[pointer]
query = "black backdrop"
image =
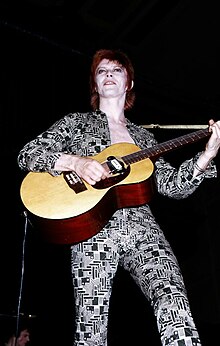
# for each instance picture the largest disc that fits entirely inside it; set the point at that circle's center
(38, 85)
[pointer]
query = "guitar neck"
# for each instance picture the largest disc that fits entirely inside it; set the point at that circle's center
(167, 146)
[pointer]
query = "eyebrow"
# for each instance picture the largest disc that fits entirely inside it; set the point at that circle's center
(106, 66)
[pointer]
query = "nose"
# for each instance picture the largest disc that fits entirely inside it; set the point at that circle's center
(109, 73)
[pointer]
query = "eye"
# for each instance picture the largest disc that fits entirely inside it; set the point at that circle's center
(118, 69)
(101, 71)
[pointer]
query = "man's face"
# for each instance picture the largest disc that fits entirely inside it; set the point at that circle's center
(23, 338)
(111, 79)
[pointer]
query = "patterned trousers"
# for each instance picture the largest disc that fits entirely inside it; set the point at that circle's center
(146, 254)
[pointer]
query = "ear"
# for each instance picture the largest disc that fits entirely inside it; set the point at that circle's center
(132, 84)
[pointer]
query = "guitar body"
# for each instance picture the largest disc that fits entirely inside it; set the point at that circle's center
(67, 210)
(67, 216)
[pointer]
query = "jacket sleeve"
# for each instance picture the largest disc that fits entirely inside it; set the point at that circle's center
(178, 183)
(41, 153)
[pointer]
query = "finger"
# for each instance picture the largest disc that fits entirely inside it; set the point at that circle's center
(100, 171)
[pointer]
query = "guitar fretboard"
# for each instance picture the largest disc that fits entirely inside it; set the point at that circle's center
(169, 145)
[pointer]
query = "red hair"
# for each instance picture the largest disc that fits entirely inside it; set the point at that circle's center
(123, 60)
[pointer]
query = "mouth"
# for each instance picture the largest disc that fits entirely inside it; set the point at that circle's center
(109, 83)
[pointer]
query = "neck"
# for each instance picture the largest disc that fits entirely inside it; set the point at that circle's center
(114, 110)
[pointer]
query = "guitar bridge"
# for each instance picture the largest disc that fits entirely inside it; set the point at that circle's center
(74, 181)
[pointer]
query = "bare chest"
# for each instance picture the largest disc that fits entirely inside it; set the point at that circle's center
(119, 134)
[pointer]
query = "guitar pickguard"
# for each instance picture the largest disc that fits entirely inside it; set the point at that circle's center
(115, 165)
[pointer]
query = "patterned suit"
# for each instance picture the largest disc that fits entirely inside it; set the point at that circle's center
(132, 238)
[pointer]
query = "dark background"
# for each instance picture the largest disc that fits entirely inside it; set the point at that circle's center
(46, 49)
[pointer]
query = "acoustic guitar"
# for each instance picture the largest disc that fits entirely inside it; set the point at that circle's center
(67, 210)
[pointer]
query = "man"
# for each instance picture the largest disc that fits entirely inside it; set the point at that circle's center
(22, 339)
(131, 238)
